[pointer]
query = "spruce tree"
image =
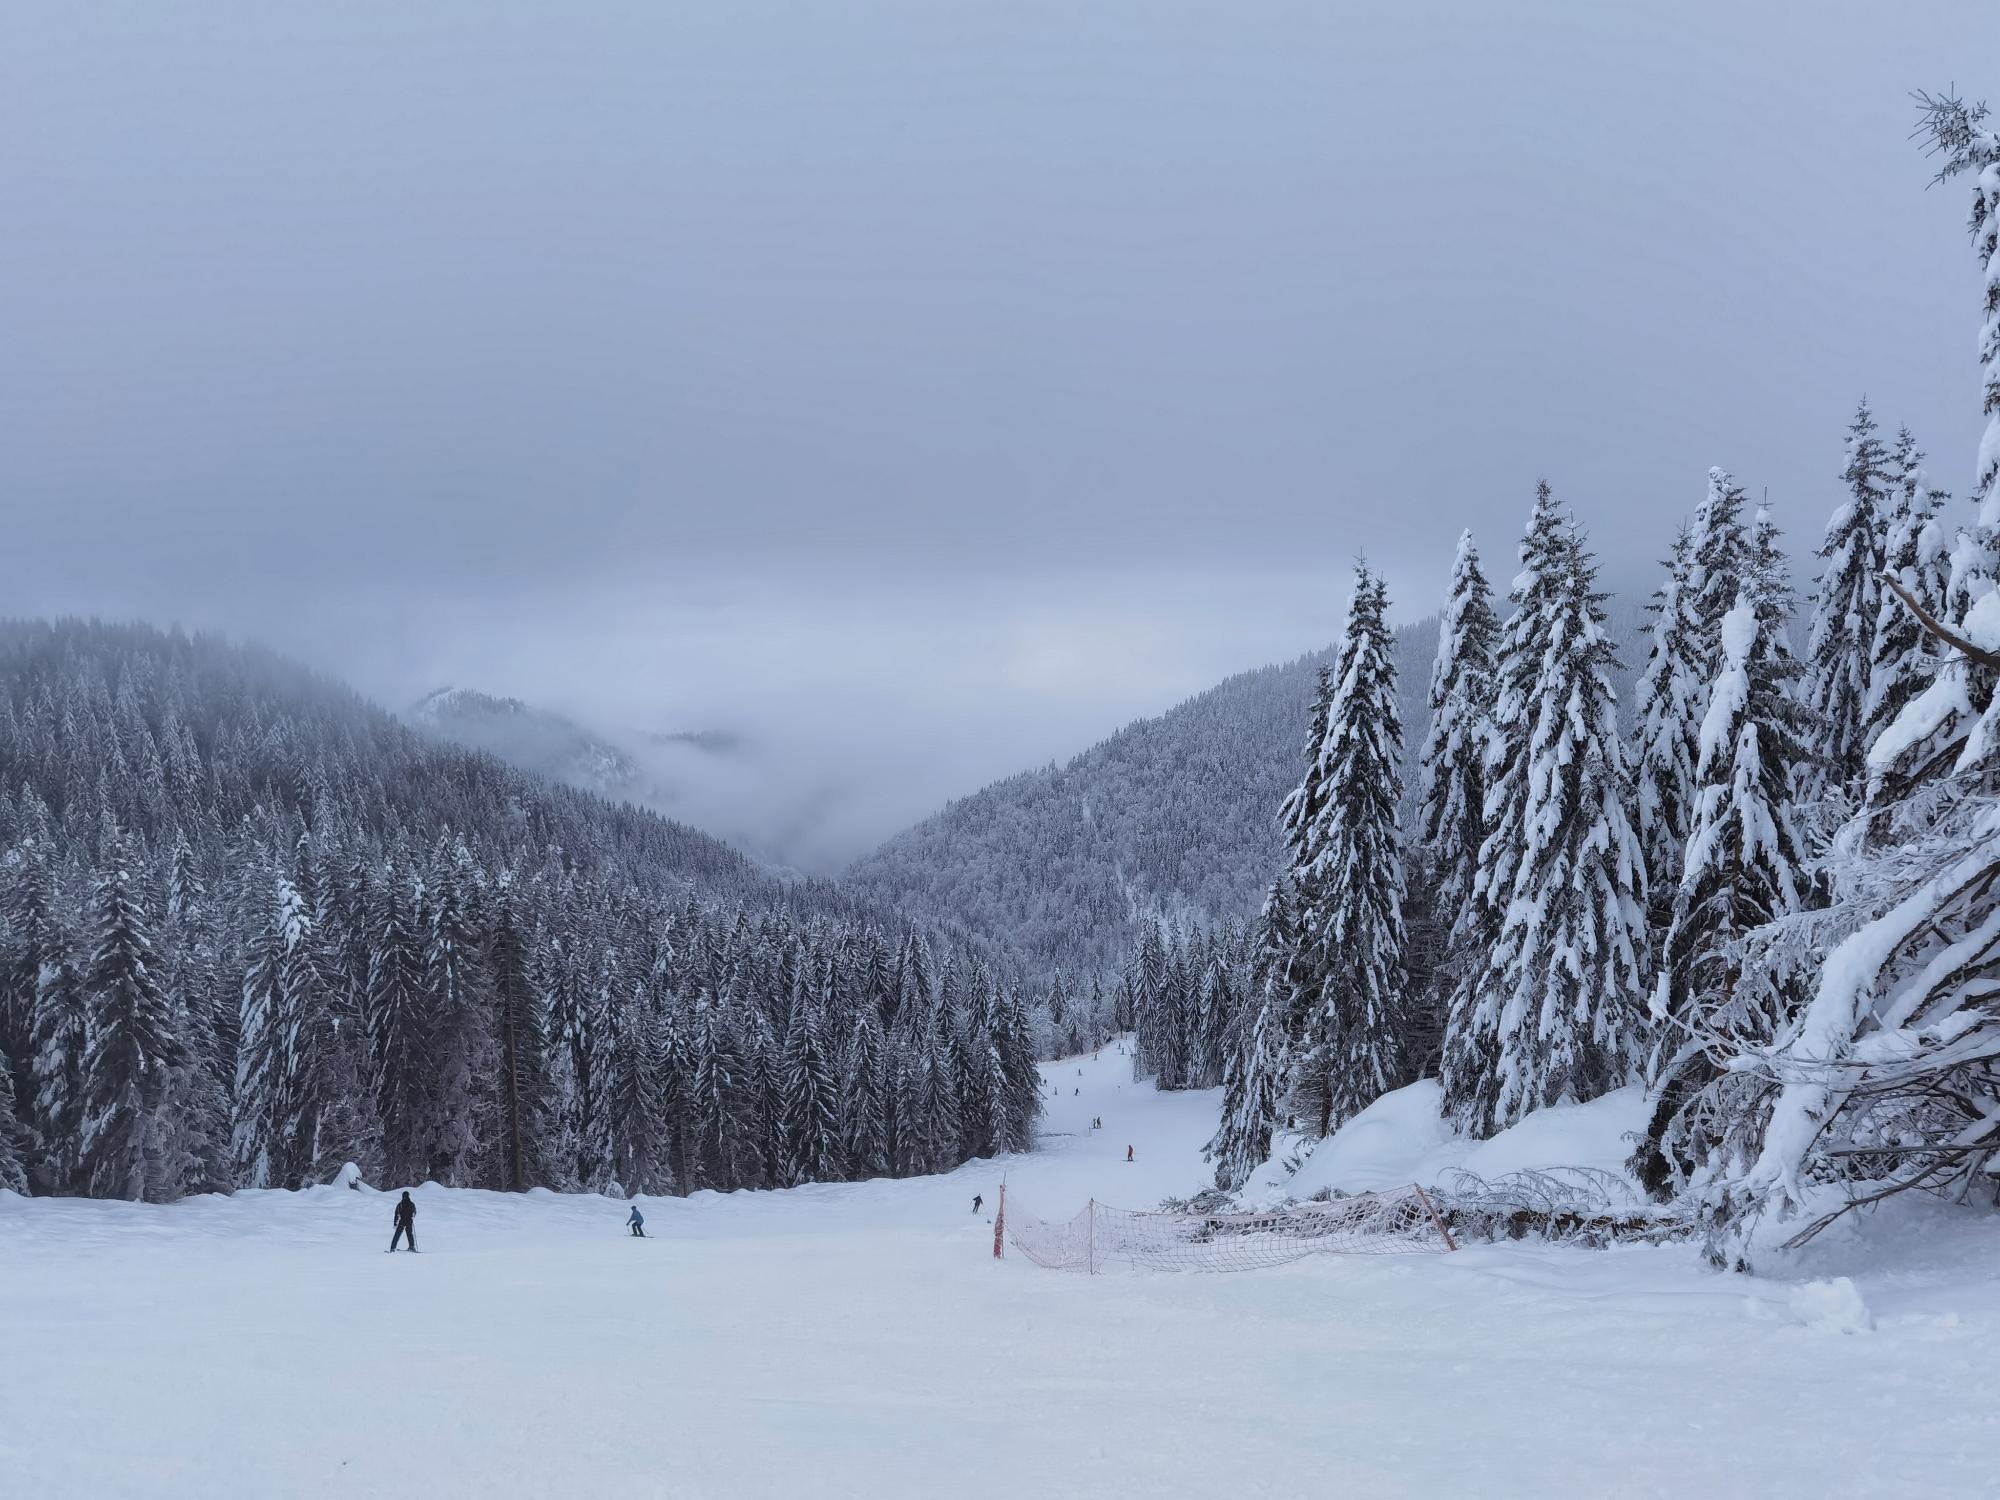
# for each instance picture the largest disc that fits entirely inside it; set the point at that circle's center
(1017, 1061)
(1254, 1077)
(342, 1127)
(523, 1072)
(1557, 1012)
(1354, 1044)
(934, 1121)
(1743, 869)
(25, 926)
(632, 1117)
(1884, 1081)
(864, 1101)
(1840, 642)
(197, 1140)
(398, 1025)
(1673, 691)
(132, 1044)
(60, 1041)
(462, 1104)
(1905, 655)
(1452, 764)
(763, 1102)
(13, 1135)
(278, 1092)
(1720, 564)
(810, 1113)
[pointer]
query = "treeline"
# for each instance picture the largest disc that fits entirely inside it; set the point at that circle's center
(251, 929)
(1778, 905)
(1059, 866)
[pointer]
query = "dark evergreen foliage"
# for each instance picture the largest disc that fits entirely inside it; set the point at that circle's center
(252, 929)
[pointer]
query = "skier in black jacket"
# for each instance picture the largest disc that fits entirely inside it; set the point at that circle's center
(406, 1224)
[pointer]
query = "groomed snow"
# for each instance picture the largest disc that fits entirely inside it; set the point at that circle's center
(860, 1340)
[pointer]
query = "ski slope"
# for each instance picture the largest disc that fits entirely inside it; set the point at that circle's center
(859, 1340)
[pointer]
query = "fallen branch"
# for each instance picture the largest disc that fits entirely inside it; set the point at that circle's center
(1988, 659)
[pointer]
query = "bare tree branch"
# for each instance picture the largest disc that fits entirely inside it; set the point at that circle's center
(1988, 659)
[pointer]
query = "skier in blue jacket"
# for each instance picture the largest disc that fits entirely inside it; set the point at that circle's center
(638, 1223)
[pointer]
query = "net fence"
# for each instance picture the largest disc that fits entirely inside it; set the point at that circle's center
(1391, 1223)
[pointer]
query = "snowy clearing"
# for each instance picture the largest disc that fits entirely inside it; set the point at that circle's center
(860, 1340)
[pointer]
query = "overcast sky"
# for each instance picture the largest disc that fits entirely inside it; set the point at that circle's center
(927, 389)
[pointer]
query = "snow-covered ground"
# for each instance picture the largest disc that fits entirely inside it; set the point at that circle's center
(860, 1340)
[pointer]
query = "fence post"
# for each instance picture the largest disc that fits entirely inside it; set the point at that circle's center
(1424, 1198)
(1090, 1240)
(1000, 1222)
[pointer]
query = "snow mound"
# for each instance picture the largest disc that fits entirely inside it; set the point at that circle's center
(1402, 1138)
(1832, 1306)
(348, 1176)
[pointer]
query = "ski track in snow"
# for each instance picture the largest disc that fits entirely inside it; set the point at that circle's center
(859, 1340)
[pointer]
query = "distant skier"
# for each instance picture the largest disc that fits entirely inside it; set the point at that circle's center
(976, 1201)
(406, 1224)
(1128, 1153)
(638, 1223)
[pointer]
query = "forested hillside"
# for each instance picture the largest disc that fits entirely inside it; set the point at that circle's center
(535, 740)
(1176, 814)
(252, 928)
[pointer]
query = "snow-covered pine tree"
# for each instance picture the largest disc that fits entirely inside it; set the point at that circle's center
(1916, 555)
(1300, 818)
(931, 1126)
(727, 1111)
(25, 925)
(1017, 1062)
(48, 1023)
(132, 1049)
(993, 1093)
(811, 1111)
(1558, 1011)
(1254, 1077)
(673, 1094)
(339, 1126)
(13, 1135)
(632, 1117)
(1061, 1010)
(864, 1101)
(61, 1039)
(1452, 764)
(523, 1075)
(1176, 1025)
(1885, 1080)
(275, 992)
(398, 1024)
(1672, 693)
(456, 985)
(1299, 814)
(1216, 1012)
(1840, 642)
(1743, 871)
(1721, 562)
(970, 1080)
(1152, 1005)
(1354, 1045)
(197, 1141)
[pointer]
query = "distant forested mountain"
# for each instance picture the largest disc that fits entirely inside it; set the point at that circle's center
(253, 928)
(1174, 815)
(534, 739)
